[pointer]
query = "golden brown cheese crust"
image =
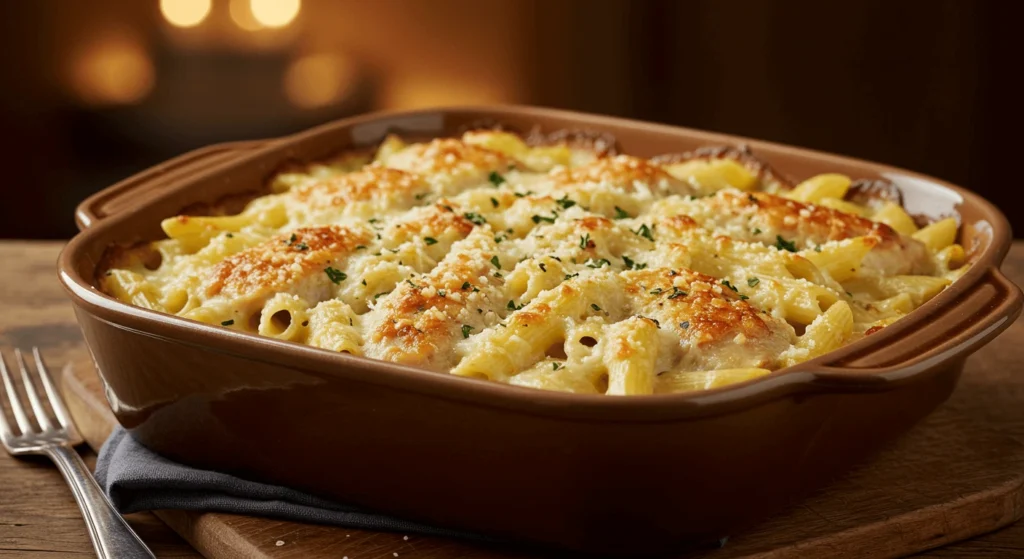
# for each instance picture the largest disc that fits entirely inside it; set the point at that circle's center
(283, 260)
(419, 322)
(808, 225)
(458, 163)
(372, 183)
(622, 171)
(721, 329)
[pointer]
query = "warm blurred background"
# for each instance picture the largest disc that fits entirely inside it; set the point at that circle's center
(94, 90)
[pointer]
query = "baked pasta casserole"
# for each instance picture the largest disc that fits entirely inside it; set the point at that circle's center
(551, 265)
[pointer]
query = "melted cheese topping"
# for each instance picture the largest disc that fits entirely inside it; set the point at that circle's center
(549, 267)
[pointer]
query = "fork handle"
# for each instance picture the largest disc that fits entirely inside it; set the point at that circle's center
(111, 536)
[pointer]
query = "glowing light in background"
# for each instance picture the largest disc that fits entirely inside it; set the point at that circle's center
(317, 80)
(275, 13)
(241, 14)
(112, 72)
(185, 13)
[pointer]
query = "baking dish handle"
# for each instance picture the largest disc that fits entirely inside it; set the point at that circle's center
(958, 328)
(153, 181)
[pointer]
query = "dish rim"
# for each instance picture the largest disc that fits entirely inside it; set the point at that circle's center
(814, 375)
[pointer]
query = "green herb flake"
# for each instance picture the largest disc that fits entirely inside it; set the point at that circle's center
(496, 262)
(412, 284)
(585, 241)
(227, 322)
(336, 276)
(430, 240)
(684, 324)
(511, 305)
(598, 263)
(783, 244)
(817, 248)
(752, 282)
(447, 207)
(540, 218)
(657, 291)
(730, 286)
(363, 282)
(466, 285)
(230, 236)
(496, 178)
(645, 232)
(743, 297)
(543, 268)
(494, 202)
(570, 276)
(676, 292)
(555, 366)
(442, 293)
(565, 202)
(361, 247)
(757, 231)
(628, 261)
(476, 218)
(466, 328)
(595, 307)
(620, 213)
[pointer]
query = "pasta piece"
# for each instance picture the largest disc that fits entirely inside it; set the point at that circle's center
(688, 381)
(938, 235)
(630, 354)
(819, 187)
(828, 332)
(896, 217)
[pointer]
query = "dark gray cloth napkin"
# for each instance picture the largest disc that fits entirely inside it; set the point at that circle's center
(137, 479)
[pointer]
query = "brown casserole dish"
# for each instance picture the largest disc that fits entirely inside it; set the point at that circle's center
(592, 473)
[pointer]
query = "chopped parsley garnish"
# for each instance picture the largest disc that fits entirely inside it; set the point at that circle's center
(620, 213)
(752, 282)
(496, 178)
(645, 232)
(422, 195)
(817, 248)
(595, 307)
(498, 238)
(585, 241)
(632, 264)
(540, 218)
(519, 194)
(676, 292)
(565, 202)
(361, 247)
(412, 284)
(730, 286)
(757, 231)
(230, 236)
(466, 328)
(543, 268)
(336, 276)
(512, 306)
(363, 282)
(570, 276)
(656, 291)
(494, 202)
(498, 275)
(441, 293)
(555, 366)
(598, 263)
(684, 324)
(743, 297)
(301, 246)
(292, 239)
(466, 285)
(430, 240)
(496, 262)
(447, 207)
(477, 219)
(751, 198)
(379, 295)
(783, 244)
(227, 322)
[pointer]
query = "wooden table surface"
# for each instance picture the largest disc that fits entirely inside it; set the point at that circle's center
(38, 517)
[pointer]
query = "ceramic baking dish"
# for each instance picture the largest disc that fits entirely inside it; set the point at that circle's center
(592, 473)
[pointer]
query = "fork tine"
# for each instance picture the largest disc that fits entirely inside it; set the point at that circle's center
(42, 418)
(56, 402)
(19, 414)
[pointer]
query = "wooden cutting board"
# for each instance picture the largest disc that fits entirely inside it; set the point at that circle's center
(958, 474)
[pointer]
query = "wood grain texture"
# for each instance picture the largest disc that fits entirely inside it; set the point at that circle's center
(958, 474)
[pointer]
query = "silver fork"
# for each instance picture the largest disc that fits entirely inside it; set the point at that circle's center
(111, 536)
